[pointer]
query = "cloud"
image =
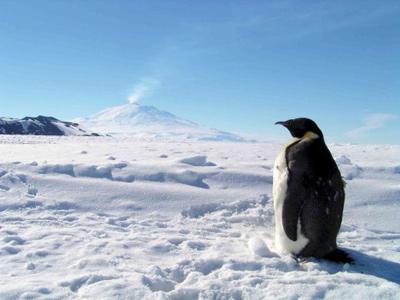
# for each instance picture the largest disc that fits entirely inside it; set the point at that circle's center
(371, 122)
(143, 88)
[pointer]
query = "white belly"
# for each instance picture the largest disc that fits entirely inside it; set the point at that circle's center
(282, 241)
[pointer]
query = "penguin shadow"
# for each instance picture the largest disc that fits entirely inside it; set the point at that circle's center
(371, 265)
(375, 266)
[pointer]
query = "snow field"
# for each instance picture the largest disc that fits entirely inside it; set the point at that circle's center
(121, 218)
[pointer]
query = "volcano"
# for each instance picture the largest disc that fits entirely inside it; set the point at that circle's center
(150, 122)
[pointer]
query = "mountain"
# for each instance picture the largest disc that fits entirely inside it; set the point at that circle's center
(148, 121)
(41, 125)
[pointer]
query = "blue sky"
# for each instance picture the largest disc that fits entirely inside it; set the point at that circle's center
(233, 65)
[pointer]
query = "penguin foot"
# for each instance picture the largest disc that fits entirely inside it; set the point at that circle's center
(339, 256)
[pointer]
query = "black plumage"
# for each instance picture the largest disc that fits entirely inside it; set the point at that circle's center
(315, 191)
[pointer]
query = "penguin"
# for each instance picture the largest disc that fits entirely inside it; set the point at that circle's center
(308, 195)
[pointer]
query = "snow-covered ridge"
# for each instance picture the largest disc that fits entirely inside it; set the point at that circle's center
(41, 125)
(148, 121)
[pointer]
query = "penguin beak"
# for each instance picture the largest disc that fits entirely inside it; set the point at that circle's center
(283, 123)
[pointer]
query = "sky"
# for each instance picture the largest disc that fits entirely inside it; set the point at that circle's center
(233, 65)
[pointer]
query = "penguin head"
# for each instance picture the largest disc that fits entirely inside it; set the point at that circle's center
(300, 126)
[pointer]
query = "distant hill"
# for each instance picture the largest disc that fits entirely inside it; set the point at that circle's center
(41, 125)
(148, 121)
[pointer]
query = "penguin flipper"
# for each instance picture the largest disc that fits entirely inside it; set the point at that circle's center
(291, 215)
(297, 162)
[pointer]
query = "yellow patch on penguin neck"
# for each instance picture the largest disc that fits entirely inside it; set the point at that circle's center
(291, 141)
(310, 135)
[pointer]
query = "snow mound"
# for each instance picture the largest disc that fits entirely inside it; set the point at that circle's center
(198, 161)
(259, 248)
(343, 160)
(124, 173)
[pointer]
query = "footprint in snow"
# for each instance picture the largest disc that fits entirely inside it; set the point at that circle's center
(4, 188)
(176, 241)
(32, 191)
(10, 250)
(14, 240)
(162, 247)
(196, 245)
(76, 283)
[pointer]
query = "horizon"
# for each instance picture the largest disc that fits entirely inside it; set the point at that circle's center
(231, 66)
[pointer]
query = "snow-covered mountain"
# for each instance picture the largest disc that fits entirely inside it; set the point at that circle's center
(41, 125)
(148, 121)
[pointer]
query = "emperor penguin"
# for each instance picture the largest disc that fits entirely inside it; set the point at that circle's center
(308, 195)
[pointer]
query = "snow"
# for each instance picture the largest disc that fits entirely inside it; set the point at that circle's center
(72, 130)
(198, 160)
(344, 160)
(129, 218)
(144, 121)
